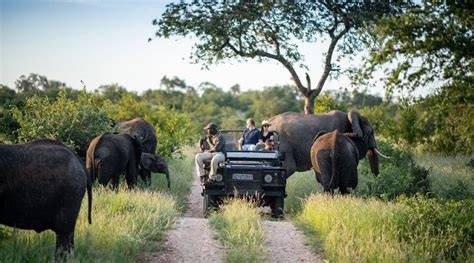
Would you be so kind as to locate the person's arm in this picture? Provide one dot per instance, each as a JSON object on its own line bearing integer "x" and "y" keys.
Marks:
{"x": 260, "y": 137}
{"x": 219, "y": 146}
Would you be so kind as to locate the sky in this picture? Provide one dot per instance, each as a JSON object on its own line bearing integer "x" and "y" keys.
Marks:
{"x": 105, "y": 42}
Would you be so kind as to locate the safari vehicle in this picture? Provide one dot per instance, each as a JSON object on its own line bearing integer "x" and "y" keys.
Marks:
{"x": 249, "y": 174}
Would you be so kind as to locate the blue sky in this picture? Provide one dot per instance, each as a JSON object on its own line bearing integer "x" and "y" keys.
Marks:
{"x": 103, "y": 42}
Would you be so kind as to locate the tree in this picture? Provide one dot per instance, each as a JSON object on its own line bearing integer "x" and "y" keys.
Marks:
{"x": 113, "y": 92}
{"x": 267, "y": 31}
{"x": 430, "y": 44}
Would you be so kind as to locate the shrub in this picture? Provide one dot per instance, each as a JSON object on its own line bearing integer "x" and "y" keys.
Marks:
{"x": 398, "y": 175}
{"x": 439, "y": 229}
{"x": 74, "y": 122}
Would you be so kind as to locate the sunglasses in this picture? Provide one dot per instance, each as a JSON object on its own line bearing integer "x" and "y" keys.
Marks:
{"x": 266, "y": 125}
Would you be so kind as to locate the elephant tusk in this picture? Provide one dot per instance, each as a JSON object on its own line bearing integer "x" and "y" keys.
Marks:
{"x": 382, "y": 155}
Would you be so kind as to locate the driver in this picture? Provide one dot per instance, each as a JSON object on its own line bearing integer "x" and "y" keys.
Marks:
{"x": 214, "y": 152}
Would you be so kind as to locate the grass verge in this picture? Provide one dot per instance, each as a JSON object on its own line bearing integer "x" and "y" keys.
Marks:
{"x": 239, "y": 228}
{"x": 368, "y": 230}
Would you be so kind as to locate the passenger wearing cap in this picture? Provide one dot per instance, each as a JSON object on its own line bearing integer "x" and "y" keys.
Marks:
{"x": 214, "y": 152}
{"x": 268, "y": 137}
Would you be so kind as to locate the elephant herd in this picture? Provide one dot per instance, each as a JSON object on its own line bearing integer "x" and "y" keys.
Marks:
{"x": 42, "y": 183}
{"x": 331, "y": 143}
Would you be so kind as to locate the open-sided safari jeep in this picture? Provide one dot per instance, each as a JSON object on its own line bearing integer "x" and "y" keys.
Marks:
{"x": 251, "y": 174}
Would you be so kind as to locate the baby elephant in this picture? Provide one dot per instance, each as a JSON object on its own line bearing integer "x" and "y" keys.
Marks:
{"x": 153, "y": 163}
{"x": 335, "y": 157}
{"x": 110, "y": 155}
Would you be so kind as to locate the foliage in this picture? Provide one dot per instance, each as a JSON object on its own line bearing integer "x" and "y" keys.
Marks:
{"x": 239, "y": 228}
{"x": 450, "y": 177}
{"x": 399, "y": 175}
{"x": 412, "y": 229}
{"x": 431, "y": 43}
{"x": 267, "y": 30}
{"x": 74, "y": 122}
{"x": 325, "y": 103}
{"x": 448, "y": 112}
{"x": 272, "y": 101}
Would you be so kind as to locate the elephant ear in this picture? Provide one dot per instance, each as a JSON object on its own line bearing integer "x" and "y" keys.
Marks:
{"x": 354, "y": 120}
{"x": 362, "y": 147}
{"x": 321, "y": 133}
{"x": 147, "y": 160}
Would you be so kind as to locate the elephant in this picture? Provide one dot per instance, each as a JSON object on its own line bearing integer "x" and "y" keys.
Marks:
{"x": 146, "y": 134}
{"x": 110, "y": 155}
{"x": 42, "y": 184}
{"x": 335, "y": 157}
{"x": 297, "y": 130}
{"x": 153, "y": 163}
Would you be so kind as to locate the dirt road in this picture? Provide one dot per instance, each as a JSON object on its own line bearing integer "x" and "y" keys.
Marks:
{"x": 191, "y": 239}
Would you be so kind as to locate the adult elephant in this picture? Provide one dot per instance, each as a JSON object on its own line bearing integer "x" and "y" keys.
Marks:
{"x": 146, "y": 134}
{"x": 42, "y": 184}
{"x": 110, "y": 155}
{"x": 297, "y": 131}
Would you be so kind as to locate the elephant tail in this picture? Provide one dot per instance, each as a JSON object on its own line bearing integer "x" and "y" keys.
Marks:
{"x": 89, "y": 198}
{"x": 333, "y": 168}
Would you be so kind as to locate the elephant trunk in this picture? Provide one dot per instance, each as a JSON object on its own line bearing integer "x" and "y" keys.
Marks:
{"x": 167, "y": 174}
{"x": 373, "y": 161}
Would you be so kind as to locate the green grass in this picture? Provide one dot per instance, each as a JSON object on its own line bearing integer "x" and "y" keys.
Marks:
{"x": 365, "y": 229}
{"x": 181, "y": 177}
{"x": 352, "y": 229}
{"x": 298, "y": 187}
{"x": 239, "y": 228}
{"x": 450, "y": 176}
{"x": 124, "y": 224}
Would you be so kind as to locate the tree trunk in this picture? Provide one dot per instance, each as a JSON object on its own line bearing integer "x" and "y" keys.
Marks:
{"x": 309, "y": 100}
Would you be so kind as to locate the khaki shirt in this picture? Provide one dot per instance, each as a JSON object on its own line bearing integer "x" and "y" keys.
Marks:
{"x": 216, "y": 142}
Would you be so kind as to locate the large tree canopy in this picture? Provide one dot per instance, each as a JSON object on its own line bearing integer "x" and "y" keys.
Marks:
{"x": 430, "y": 44}
{"x": 270, "y": 31}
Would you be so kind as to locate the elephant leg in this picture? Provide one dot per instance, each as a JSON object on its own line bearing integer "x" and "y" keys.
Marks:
{"x": 131, "y": 175}
{"x": 115, "y": 182}
{"x": 63, "y": 244}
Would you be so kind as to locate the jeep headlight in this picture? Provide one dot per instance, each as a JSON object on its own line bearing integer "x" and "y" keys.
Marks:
{"x": 268, "y": 178}
{"x": 218, "y": 177}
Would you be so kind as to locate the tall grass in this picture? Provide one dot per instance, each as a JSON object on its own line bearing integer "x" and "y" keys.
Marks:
{"x": 239, "y": 228}
{"x": 124, "y": 224}
{"x": 298, "y": 187}
{"x": 369, "y": 230}
{"x": 451, "y": 177}
{"x": 181, "y": 177}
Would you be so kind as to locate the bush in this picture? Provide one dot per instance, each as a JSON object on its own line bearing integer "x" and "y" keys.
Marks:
{"x": 73, "y": 122}
{"x": 440, "y": 229}
{"x": 399, "y": 175}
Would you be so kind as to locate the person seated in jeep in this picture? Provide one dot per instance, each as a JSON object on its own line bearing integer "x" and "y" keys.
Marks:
{"x": 250, "y": 137}
{"x": 212, "y": 148}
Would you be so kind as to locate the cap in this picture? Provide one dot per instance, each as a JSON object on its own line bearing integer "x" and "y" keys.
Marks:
{"x": 211, "y": 126}
{"x": 265, "y": 122}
